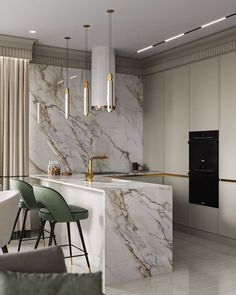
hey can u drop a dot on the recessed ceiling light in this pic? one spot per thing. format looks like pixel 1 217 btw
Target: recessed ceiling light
pixel 188 32
pixel 32 32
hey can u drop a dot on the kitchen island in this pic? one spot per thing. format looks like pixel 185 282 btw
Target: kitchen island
pixel 129 230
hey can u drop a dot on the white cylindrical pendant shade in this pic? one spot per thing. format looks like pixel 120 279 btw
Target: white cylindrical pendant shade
pixel 67 103
pixel 103 63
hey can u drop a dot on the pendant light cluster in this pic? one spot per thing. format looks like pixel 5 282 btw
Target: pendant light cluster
pixel 103 71
pixel 103 76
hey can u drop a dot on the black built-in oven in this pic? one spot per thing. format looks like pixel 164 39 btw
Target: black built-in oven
pixel 204 168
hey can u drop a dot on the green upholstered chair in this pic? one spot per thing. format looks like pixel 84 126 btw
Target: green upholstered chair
pixel 27 203
pixel 54 208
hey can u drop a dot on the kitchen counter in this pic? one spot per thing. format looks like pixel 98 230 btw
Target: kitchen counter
pixel 100 182
pixel 129 229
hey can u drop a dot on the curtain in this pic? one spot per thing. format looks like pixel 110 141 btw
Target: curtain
pixel 14 118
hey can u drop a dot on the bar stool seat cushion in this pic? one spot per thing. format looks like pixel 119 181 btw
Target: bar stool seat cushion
pixel 78 213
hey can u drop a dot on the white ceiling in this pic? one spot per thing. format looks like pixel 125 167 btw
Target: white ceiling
pixel 136 23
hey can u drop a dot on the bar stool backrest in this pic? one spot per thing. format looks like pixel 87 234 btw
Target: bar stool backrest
pixel 54 202
pixel 27 193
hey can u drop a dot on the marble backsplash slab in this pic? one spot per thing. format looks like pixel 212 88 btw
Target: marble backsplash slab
pixel 119 134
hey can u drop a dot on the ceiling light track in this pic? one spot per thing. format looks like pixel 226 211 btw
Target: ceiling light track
pixel 188 32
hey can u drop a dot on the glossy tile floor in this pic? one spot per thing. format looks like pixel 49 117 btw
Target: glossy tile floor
pixel 201 267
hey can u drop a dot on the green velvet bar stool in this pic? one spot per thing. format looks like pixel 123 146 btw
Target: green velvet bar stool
pixel 27 203
pixel 54 208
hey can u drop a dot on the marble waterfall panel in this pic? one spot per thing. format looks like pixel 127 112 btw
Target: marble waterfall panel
pixel 119 134
pixel 138 239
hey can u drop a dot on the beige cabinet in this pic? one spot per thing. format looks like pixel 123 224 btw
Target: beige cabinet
pixel 180 199
pixel 204 218
pixel 204 95
pixel 176 120
pixel 228 116
pixel 228 209
pixel 154 149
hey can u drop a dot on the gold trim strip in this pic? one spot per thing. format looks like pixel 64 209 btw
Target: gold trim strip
pixel 152 174
pixel 176 175
pixel 227 180
pixel 167 174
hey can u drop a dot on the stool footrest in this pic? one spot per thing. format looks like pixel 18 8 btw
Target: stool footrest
pixel 79 255
pixel 67 245
pixel 33 239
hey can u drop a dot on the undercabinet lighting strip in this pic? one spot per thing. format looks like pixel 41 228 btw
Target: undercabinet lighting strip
pixel 188 32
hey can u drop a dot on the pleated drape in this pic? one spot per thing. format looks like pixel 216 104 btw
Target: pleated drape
pixel 14 118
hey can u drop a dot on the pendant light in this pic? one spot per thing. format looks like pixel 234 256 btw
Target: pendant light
pixel 67 91
pixel 103 73
pixel 110 92
pixel 86 83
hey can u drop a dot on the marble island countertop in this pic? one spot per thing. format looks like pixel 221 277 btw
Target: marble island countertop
pixel 130 218
pixel 101 182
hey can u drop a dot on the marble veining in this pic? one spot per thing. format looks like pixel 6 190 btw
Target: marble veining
pixel 140 222
pixel 118 134
pixel 137 223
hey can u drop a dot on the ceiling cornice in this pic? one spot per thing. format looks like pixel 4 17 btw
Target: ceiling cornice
pixel 56 56
pixel 77 59
pixel 16 47
pixel 207 47
pixel 213 45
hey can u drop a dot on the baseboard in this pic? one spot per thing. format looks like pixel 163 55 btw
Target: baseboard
pixel 205 235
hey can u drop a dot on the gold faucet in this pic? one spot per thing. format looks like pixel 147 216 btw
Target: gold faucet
pixel 89 175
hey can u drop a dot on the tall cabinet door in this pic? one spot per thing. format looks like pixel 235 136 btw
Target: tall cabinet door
pixel 176 139
pixel 176 120
pixel 154 148
pixel 227 142
pixel 228 116
pixel 204 95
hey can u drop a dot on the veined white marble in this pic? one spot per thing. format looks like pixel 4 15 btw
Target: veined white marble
pixel 119 134
pixel 129 231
